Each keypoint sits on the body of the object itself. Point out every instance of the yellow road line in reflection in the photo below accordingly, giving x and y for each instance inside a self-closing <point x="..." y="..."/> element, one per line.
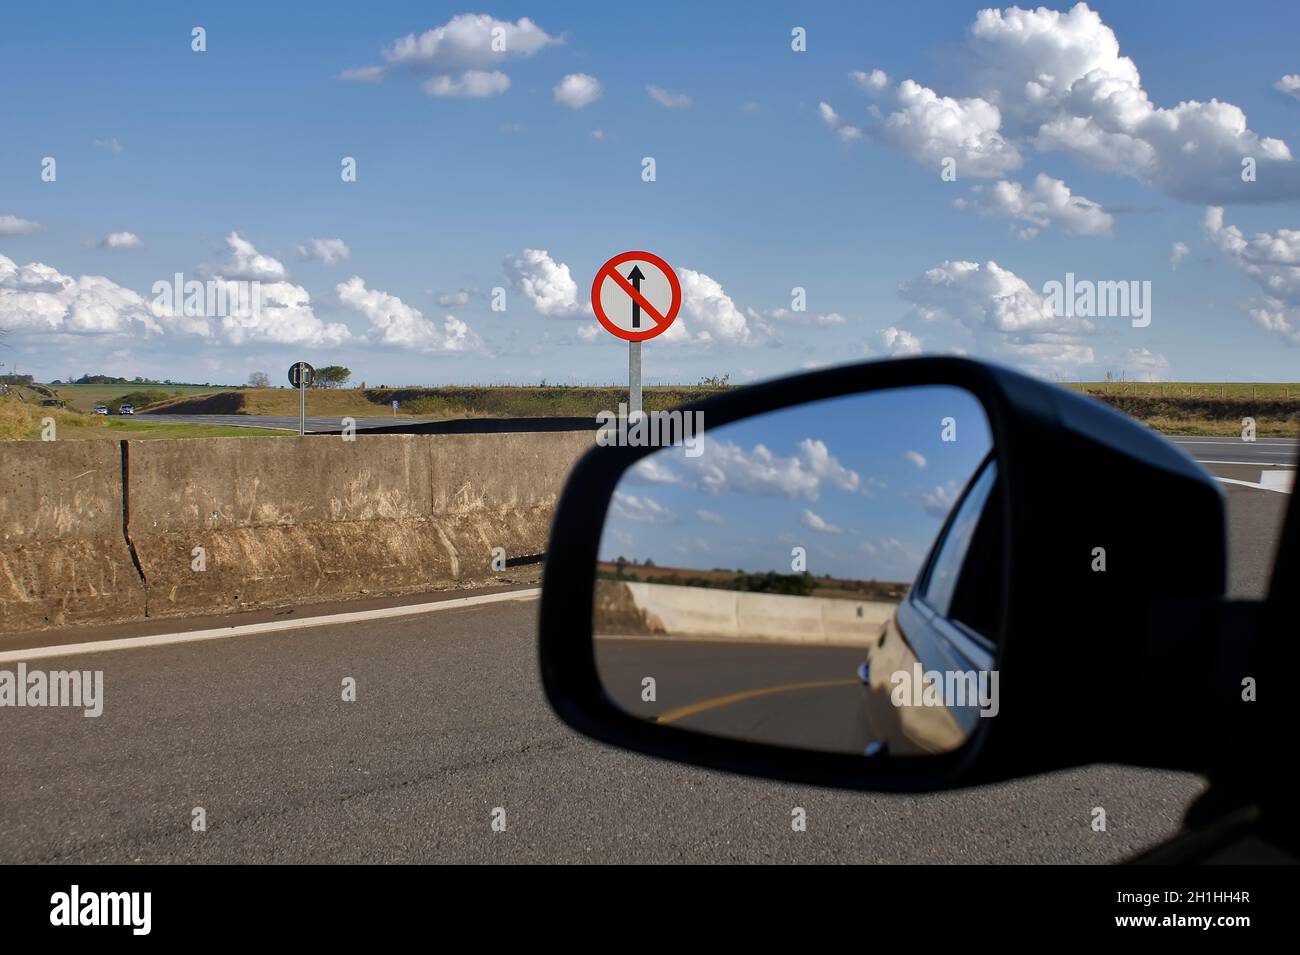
<point x="719" y="701"/>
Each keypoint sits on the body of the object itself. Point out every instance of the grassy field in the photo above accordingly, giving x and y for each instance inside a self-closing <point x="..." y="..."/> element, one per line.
<point x="85" y="397"/>
<point x="24" y="421"/>
<point x="452" y="401"/>
<point x="1188" y="389"/>
<point x="1204" y="408"/>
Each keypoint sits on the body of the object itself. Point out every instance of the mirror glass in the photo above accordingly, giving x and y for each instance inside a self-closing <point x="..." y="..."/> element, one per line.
<point x="827" y="576"/>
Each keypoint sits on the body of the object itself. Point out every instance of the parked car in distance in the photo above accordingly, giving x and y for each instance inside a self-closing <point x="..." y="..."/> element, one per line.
<point x="101" y="409"/>
<point x="126" y="409"/>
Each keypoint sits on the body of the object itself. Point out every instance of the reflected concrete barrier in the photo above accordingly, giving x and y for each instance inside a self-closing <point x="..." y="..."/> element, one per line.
<point x="64" y="557"/>
<point x="99" y="531"/>
<point x="631" y="608"/>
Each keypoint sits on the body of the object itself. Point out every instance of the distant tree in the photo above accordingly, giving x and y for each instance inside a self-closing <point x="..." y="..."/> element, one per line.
<point x="259" y="379"/>
<point x="101" y="380"/>
<point x="332" y="376"/>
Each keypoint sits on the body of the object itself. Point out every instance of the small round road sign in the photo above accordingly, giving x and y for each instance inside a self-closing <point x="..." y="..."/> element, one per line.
<point x="636" y="296"/>
<point x="301" y="369"/>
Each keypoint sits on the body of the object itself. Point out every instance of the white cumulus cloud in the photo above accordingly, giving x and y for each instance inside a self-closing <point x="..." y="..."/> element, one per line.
<point x="470" y="45"/>
<point x="899" y="342"/>
<point x="37" y="298"/>
<point x="1005" y="316"/>
<point x="546" y="283"/>
<point x="329" y="251"/>
<point x="1056" y="81"/>
<point x="931" y="128"/>
<point x="472" y="84"/>
<point x="12" y="225"/>
<point x="1062" y="77"/>
<point x="642" y="510"/>
<point x="121" y="240"/>
<point x="577" y="90"/>
<point x="456" y="299"/>
<point x="1177" y="254"/>
<point x="245" y="262"/>
<point x="816" y="522"/>
<point x="284" y="317"/>
<point x="397" y="324"/>
<point x="845" y="131"/>
<point x="939" y="502"/>
<point x="1272" y="262"/>
<point x="874" y="82"/>
<point x="726" y="467"/>
<point x="708" y="313"/>
<point x="1048" y="201"/>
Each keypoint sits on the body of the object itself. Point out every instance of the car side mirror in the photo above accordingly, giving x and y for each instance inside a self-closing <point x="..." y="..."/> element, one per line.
<point x="897" y="575"/>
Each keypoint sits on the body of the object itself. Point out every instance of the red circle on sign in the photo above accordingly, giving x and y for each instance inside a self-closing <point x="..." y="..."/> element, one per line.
<point x="609" y="272"/>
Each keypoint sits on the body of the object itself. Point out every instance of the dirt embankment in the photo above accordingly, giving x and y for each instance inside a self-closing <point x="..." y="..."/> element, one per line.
<point x="224" y="402"/>
<point x="457" y="401"/>
<point x="452" y="401"/>
<point x="1276" y="416"/>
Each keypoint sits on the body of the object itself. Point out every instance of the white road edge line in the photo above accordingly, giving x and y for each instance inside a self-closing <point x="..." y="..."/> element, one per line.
<point x="270" y="626"/>
<point x="1253" y="464"/>
<point x="1260" y="487"/>
<point x="1235" y="442"/>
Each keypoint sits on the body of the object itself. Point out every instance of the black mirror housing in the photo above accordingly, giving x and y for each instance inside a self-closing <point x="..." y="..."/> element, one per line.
<point x="1087" y="674"/>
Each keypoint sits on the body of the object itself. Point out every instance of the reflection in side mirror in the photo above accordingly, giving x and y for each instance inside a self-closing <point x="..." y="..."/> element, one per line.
<point x="825" y="577"/>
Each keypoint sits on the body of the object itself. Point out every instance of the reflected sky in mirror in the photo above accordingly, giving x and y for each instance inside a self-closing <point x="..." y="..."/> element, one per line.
<point x="862" y="483"/>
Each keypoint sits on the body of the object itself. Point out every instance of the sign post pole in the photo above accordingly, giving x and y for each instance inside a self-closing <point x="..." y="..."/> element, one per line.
<point x="633" y="379"/>
<point x="301" y="375"/>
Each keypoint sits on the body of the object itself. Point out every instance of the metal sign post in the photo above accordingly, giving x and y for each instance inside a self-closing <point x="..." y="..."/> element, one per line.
<point x="633" y="378"/>
<point x="301" y="375"/>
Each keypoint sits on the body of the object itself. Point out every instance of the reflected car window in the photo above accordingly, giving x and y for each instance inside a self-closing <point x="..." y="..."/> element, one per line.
<point x="946" y="571"/>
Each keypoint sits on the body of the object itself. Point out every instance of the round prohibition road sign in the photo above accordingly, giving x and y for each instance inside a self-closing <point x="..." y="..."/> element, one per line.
<point x="636" y="296"/>
<point x="299" y="370"/>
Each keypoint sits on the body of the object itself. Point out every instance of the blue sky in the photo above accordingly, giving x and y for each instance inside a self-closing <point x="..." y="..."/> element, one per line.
<point x="775" y="170"/>
<point x="862" y="483"/>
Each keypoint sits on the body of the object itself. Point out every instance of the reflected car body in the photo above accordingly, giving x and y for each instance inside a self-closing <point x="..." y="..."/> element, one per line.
<point x="942" y="626"/>
<point x="101" y="409"/>
<point x="126" y="409"/>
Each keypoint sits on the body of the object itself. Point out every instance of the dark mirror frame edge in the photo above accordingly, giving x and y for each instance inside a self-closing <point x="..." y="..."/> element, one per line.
<point x="1033" y="425"/>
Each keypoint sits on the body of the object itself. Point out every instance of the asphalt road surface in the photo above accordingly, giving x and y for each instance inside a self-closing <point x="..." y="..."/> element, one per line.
<point x="449" y="725"/>
<point x="1268" y="452"/>
<point x="787" y="694"/>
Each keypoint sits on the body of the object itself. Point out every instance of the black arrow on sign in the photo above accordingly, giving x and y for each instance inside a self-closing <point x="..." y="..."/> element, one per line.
<point x="635" y="277"/>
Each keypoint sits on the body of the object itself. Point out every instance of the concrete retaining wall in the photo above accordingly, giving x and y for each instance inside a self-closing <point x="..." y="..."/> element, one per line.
<point x="63" y="553"/>
<point x="280" y="520"/>
<point x="632" y="608"/>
